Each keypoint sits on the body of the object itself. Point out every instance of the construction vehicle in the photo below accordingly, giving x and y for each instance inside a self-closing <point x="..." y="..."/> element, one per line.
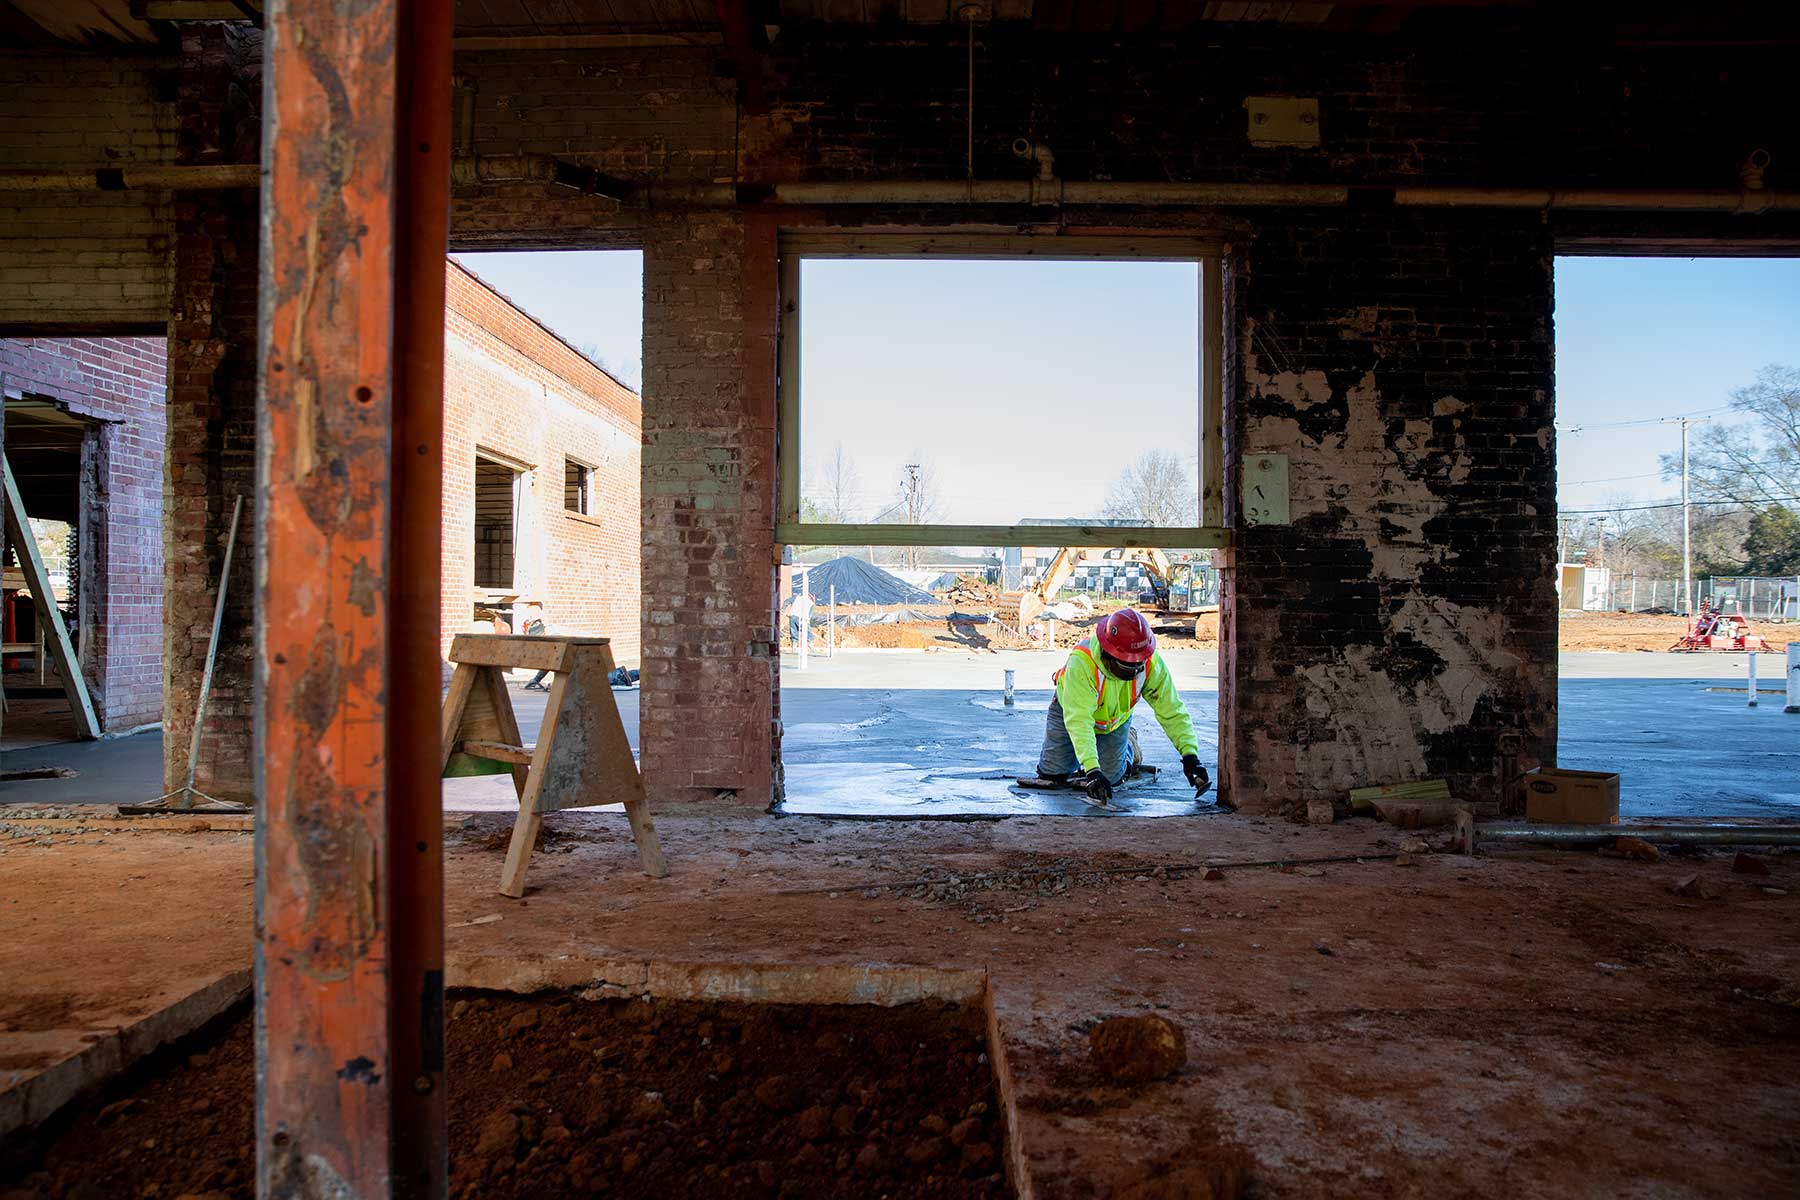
<point x="1177" y="587"/>
<point x="1715" y="629"/>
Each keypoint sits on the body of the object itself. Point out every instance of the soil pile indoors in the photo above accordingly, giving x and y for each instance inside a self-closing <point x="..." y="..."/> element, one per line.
<point x="555" y="1095"/>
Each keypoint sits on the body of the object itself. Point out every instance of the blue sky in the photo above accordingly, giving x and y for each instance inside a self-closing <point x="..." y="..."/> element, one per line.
<point x="1641" y="338"/>
<point x="1029" y="385"/>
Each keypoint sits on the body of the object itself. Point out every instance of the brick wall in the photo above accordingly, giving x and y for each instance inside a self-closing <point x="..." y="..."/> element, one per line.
<point x="514" y="388"/>
<point x="1405" y="620"/>
<point x="211" y="458"/>
<point x="708" y="713"/>
<point x="84" y="260"/>
<point x="1402" y="359"/>
<point x="120" y="383"/>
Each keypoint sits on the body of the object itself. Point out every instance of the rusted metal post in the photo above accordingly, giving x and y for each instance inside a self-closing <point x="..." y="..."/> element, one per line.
<point x="349" y="841"/>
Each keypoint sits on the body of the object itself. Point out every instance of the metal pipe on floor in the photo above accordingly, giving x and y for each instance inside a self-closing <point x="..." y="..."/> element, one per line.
<point x="1709" y="834"/>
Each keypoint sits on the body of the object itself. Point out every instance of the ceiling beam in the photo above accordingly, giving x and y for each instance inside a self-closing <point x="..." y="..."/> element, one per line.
<point x="746" y="49"/>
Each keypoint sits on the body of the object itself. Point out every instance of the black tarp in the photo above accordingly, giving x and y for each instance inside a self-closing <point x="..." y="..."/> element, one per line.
<point x="859" y="582"/>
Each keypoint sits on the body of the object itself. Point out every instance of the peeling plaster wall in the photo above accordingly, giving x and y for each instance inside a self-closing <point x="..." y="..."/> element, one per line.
<point x="1405" y="620"/>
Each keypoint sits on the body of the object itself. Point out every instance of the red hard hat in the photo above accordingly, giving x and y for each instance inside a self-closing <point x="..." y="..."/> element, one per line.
<point x="1126" y="636"/>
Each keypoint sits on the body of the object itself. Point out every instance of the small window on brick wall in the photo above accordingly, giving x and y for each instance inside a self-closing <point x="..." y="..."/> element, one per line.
<point x="578" y="484"/>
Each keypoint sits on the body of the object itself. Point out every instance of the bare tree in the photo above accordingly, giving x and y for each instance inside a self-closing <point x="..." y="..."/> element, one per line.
<point x="835" y="489"/>
<point x="1755" y="462"/>
<point x="1159" y="487"/>
<point x="918" y="499"/>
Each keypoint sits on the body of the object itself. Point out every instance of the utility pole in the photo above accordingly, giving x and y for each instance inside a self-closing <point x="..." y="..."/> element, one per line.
<point x="1687" y="603"/>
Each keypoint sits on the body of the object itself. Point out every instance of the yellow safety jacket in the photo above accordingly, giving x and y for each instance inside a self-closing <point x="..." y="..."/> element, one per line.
<point x="1093" y="702"/>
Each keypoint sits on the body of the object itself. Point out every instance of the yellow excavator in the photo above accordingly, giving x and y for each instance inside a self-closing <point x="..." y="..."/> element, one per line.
<point x="1175" y="584"/>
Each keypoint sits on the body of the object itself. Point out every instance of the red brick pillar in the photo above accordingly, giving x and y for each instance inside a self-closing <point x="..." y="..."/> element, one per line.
<point x="211" y="457"/>
<point x="710" y="669"/>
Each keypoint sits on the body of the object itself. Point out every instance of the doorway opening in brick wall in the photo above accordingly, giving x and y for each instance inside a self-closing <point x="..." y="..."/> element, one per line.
<point x="84" y="448"/>
<point x="1661" y="360"/>
<point x="543" y="434"/>
<point x="992" y="448"/>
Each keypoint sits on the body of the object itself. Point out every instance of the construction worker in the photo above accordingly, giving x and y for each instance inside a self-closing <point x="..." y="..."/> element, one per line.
<point x="1088" y="738"/>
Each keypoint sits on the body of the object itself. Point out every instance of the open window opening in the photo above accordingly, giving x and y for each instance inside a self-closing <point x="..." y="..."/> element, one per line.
<point x="578" y="482"/>
<point x="1678" y="539"/>
<point x="498" y="491"/>
<point x="988" y="447"/>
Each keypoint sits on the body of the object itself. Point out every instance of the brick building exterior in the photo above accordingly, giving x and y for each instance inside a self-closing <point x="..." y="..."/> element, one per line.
<point x="117" y="385"/>
<point x="513" y="390"/>
<point x="520" y="399"/>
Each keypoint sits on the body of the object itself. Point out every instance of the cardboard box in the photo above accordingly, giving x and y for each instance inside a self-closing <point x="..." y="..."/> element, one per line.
<point x="1560" y="797"/>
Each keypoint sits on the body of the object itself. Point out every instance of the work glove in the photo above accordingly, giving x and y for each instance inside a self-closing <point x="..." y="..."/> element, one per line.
<point x="1097" y="785"/>
<point x="1196" y="774"/>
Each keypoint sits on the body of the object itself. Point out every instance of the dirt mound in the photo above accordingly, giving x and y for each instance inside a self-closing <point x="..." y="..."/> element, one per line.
<point x="553" y="1096"/>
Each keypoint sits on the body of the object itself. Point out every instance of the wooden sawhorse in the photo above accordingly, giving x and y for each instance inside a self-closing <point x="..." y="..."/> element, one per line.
<point x="581" y="757"/>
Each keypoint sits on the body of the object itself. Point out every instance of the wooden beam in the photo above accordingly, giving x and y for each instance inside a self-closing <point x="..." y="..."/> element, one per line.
<point x="18" y="531"/>
<point x="746" y="45"/>
<point x="1212" y="392"/>
<point x="787" y="446"/>
<point x="1165" y="538"/>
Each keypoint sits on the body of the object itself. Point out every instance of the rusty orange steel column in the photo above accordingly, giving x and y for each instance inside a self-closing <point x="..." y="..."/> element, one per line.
<point x="349" y="883"/>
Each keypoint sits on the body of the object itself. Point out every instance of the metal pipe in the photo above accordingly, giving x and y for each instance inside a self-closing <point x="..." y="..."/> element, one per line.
<point x="1708" y="834"/>
<point x="205" y="177"/>
<point x="479" y="170"/>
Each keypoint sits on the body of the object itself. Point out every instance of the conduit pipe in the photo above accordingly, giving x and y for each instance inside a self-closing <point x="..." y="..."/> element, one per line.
<point x="475" y="171"/>
<point x="1056" y="192"/>
<point x="202" y="178"/>
<point x="1708" y="834"/>
<point x="465" y="171"/>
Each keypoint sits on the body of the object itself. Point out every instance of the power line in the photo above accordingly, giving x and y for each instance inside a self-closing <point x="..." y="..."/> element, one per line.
<point x="1580" y="512"/>
<point x="1584" y="426"/>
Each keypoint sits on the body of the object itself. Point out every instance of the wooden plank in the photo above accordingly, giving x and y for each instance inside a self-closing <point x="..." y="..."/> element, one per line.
<point x="591" y="762"/>
<point x="1167" y="538"/>
<point x="787" y="447"/>
<point x="504" y="723"/>
<point x="1212" y="393"/>
<point x="531" y="817"/>
<point x="456" y="702"/>
<point x="18" y="530"/>
<point x="498" y="751"/>
<point x="514" y="651"/>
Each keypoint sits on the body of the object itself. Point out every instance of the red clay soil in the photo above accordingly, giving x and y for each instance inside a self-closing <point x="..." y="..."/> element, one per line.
<point x="555" y="1095"/>
<point x="1643" y="631"/>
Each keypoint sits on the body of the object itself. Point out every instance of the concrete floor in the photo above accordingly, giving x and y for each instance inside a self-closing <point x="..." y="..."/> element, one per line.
<point x="923" y="733"/>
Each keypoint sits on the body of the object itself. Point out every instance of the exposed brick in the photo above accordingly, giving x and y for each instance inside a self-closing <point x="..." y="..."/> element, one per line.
<point x="513" y="387"/>
<point x="119" y="383"/>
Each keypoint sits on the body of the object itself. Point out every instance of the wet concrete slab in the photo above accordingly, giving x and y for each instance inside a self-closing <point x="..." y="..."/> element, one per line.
<point x="926" y="734"/>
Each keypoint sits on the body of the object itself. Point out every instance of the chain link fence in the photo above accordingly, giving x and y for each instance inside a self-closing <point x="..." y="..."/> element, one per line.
<point x="1764" y="598"/>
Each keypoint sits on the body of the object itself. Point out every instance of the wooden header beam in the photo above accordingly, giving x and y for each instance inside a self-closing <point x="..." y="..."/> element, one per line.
<point x="1129" y="536"/>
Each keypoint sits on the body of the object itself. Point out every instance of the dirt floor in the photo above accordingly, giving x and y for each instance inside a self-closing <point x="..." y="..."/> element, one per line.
<point x="560" y="1096"/>
<point x="1645" y="631"/>
<point x="1525" y="1022"/>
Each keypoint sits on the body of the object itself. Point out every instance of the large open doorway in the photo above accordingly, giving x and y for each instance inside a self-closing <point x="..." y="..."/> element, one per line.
<point x="543" y="440"/>
<point x="1678" y="439"/>
<point x="987" y="446"/>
